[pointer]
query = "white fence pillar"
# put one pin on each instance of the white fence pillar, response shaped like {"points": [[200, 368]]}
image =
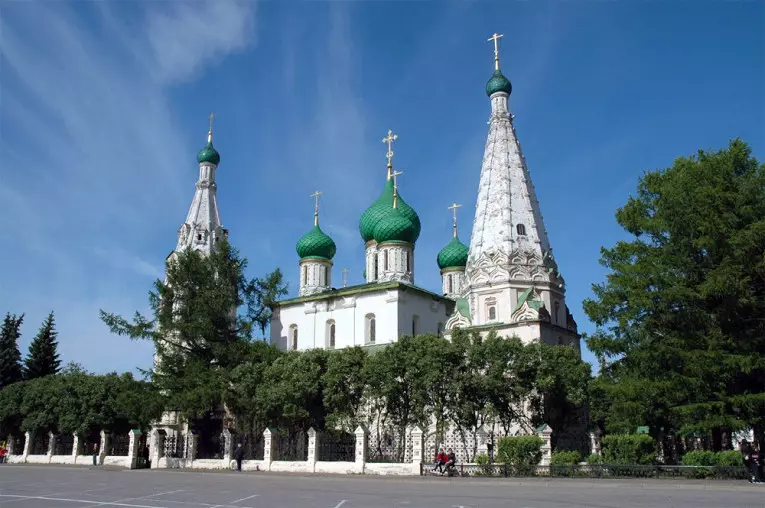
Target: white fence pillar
{"points": [[28, 436], [362, 447], [190, 446], [228, 447], [133, 450], [417, 448], [103, 449], [313, 448], [75, 447], [269, 447], [157, 448], [545, 432], [51, 444]]}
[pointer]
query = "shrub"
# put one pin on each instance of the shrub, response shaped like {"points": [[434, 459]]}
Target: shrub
{"points": [[524, 452], [628, 449], [565, 458], [483, 461], [730, 458], [594, 459]]}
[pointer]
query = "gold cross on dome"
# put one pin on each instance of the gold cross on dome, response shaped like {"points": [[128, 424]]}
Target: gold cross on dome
{"points": [[390, 138], [315, 196], [209, 132], [453, 208], [496, 37], [345, 277]]}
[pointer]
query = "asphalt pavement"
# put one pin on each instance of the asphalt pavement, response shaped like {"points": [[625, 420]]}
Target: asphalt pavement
{"points": [[23, 486]]}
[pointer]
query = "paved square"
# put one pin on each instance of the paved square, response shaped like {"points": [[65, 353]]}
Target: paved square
{"points": [[69, 487]]}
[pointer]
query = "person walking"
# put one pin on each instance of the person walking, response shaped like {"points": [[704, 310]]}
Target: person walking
{"points": [[239, 455], [95, 454], [3, 452]]}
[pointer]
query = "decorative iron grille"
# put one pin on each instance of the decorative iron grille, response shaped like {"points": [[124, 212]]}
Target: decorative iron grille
{"points": [[144, 459], [40, 444], [119, 445], [174, 446], [87, 444], [211, 448], [18, 444], [64, 444], [291, 446], [387, 447], [254, 447], [336, 446]]}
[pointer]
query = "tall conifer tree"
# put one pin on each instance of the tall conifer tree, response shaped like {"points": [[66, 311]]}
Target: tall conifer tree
{"points": [[10, 356], [43, 357]]}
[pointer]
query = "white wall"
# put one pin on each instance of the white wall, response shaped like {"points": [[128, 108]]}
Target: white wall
{"points": [[393, 309]]}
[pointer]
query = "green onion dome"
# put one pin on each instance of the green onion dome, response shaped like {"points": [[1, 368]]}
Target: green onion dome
{"points": [[383, 206], [395, 226], [208, 154], [498, 83], [316, 244], [454, 255]]}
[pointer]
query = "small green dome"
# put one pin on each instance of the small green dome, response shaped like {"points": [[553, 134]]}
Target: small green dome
{"points": [[395, 227], [316, 244], [454, 255], [498, 83], [382, 207], [208, 154]]}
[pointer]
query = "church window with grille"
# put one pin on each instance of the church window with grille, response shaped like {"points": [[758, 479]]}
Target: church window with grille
{"points": [[521, 229], [375, 273], [294, 337], [492, 313], [305, 275], [330, 335], [385, 260], [449, 288], [406, 257], [415, 319], [371, 329]]}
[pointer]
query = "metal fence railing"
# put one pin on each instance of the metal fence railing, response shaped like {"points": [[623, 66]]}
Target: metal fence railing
{"points": [[593, 471]]}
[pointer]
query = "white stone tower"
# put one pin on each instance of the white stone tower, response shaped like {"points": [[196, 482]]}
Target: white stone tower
{"points": [[202, 228], [392, 259], [394, 235], [451, 261], [512, 279], [316, 250]]}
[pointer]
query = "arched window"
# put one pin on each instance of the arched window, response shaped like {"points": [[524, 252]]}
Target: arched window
{"points": [[492, 313], [449, 287], [415, 319], [406, 258], [521, 229], [330, 334], [440, 329], [385, 260], [370, 334], [375, 268], [305, 275], [293, 337]]}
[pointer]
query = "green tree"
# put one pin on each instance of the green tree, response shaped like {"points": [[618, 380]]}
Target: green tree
{"points": [[344, 385], [680, 314], [199, 334], [43, 357], [10, 356]]}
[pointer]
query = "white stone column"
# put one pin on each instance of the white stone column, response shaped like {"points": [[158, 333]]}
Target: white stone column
{"points": [[190, 447], [362, 447], [269, 448], [133, 450], [27, 445], [103, 449], [545, 432], [51, 444], [313, 448], [483, 438], [228, 447], [418, 444], [157, 448], [595, 443], [75, 447]]}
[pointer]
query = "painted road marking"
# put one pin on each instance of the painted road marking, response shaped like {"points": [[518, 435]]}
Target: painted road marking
{"points": [[96, 503], [244, 499], [341, 503]]}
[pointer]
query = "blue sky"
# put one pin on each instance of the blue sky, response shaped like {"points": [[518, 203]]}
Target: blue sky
{"points": [[103, 106]]}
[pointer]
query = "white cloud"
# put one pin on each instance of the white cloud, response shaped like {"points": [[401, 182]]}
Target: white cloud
{"points": [[91, 152]]}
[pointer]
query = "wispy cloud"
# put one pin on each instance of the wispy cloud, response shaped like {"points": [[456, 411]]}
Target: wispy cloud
{"points": [[90, 146]]}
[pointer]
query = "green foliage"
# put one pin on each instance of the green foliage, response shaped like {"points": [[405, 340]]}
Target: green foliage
{"points": [[594, 459], [199, 335], [79, 402], [520, 450], [344, 384], [482, 459], [43, 357], [679, 315], [564, 458], [628, 449], [729, 458], [10, 356]]}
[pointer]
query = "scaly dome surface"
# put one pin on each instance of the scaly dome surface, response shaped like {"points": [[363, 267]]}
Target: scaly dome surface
{"points": [[454, 255], [208, 154], [316, 244], [383, 206], [394, 227], [498, 83]]}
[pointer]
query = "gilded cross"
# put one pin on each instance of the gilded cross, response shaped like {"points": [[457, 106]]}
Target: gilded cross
{"points": [[453, 208], [345, 277], [315, 196], [209, 133], [393, 175], [496, 37], [390, 138]]}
